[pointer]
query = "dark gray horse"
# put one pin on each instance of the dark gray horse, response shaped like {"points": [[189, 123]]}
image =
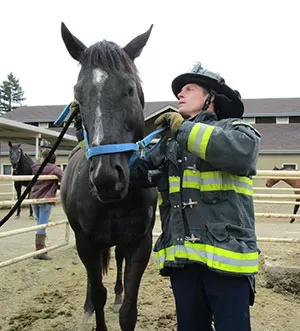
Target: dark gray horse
{"points": [[102, 206], [21, 164]]}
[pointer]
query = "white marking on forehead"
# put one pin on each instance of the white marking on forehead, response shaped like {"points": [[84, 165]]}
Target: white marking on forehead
{"points": [[98, 76], [98, 127]]}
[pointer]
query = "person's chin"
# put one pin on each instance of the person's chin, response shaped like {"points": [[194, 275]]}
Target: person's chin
{"points": [[183, 112]]}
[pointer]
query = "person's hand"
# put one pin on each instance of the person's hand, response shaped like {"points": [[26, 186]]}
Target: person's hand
{"points": [[173, 120], [74, 106]]}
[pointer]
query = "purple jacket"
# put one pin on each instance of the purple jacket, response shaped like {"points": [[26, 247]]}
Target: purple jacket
{"points": [[45, 188]]}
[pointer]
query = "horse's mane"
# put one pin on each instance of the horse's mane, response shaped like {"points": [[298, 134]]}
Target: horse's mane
{"points": [[108, 56]]}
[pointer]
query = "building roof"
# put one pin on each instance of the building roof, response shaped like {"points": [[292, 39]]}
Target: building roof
{"points": [[279, 138], [18, 132], [253, 108], [272, 107]]}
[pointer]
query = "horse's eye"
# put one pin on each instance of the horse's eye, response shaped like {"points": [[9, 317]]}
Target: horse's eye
{"points": [[129, 92]]}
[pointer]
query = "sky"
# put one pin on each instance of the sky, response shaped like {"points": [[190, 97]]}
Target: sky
{"points": [[253, 44]]}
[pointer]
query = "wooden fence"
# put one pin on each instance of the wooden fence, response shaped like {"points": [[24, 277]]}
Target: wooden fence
{"points": [[8, 203]]}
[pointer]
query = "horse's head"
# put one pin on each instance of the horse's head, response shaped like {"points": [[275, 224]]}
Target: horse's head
{"points": [[111, 102], [15, 153], [272, 181]]}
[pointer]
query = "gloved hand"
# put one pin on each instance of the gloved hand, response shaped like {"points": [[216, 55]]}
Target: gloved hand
{"points": [[173, 120], [74, 106]]}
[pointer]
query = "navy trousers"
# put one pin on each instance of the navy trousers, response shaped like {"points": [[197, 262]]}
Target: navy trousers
{"points": [[205, 298]]}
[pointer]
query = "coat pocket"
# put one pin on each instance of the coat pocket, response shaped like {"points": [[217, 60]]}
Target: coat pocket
{"points": [[213, 197], [232, 237]]}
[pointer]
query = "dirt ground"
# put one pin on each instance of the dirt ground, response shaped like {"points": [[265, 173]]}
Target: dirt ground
{"points": [[49, 295]]}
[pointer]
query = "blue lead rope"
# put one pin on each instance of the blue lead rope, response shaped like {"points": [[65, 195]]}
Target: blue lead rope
{"points": [[63, 115]]}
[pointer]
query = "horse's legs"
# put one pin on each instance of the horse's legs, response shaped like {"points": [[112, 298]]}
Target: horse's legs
{"points": [[88, 305], [295, 211], [18, 190], [30, 207], [136, 262], [90, 256], [119, 256]]}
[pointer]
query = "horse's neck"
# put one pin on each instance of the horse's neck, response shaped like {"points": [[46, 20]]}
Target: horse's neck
{"points": [[295, 183], [25, 164]]}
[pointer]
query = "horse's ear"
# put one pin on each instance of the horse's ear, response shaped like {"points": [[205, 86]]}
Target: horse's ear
{"points": [[135, 47], [74, 46], [19, 145], [275, 168], [9, 144]]}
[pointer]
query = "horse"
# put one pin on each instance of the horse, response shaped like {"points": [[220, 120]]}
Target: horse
{"points": [[21, 164], [295, 183], [104, 209]]}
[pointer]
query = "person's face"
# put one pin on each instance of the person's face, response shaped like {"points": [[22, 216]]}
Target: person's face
{"points": [[191, 100]]}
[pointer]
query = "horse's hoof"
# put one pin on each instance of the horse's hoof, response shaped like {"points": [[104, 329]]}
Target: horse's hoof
{"points": [[87, 323], [116, 307], [31, 217], [86, 327], [292, 220], [17, 216]]}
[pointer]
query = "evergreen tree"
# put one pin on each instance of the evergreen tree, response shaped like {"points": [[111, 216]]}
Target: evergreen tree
{"points": [[11, 94]]}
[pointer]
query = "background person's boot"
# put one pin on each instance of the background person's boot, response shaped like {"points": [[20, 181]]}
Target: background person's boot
{"points": [[40, 244]]}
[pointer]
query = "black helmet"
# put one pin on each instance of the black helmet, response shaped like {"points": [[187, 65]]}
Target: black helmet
{"points": [[228, 102], [45, 143]]}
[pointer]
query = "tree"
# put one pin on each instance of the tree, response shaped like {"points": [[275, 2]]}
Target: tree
{"points": [[11, 94]]}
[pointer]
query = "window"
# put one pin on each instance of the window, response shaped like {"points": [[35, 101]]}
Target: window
{"points": [[294, 119], [262, 120], [282, 120], [6, 169], [32, 123], [44, 125], [290, 166]]}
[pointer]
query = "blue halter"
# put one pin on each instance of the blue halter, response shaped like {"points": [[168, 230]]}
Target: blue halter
{"points": [[139, 147]]}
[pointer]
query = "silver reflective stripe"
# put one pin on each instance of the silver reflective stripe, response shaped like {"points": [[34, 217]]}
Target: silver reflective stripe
{"points": [[199, 136], [218, 258], [217, 182], [190, 252], [162, 258]]}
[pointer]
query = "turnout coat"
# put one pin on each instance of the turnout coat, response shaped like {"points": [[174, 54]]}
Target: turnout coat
{"points": [[206, 196]]}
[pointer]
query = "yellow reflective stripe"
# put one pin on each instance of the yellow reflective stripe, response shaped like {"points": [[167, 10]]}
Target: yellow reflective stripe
{"points": [[199, 138], [223, 252], [166, 254], [191, 179], [159, 198], [174, 184], [216, 181], [214, 257]]}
